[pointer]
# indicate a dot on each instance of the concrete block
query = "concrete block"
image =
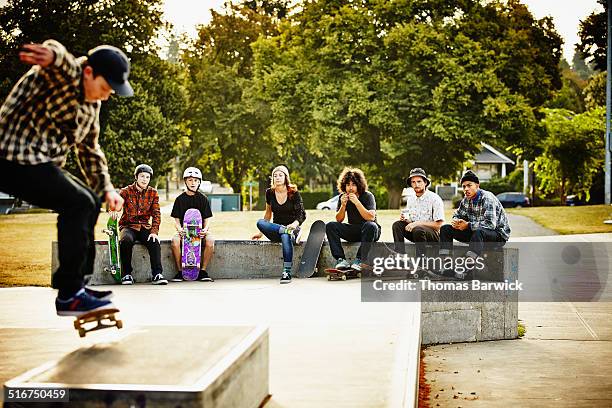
(450, 326)
(192, 366)
(493, 321)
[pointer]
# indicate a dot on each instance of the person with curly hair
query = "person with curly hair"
(360, 206)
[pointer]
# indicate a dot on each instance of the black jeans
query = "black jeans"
(419, 235)
(365, 233)
(128, 237)
(47, 186)
(476, 238)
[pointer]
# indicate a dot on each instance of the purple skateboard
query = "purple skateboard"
(192, 244)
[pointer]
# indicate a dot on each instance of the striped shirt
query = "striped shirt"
(46, 114)
(139, 207)
(484, 211)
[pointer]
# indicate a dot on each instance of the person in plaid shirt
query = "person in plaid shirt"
(140, 222)
(480, 218)
(54, 107)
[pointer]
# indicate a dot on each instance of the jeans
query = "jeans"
(271, 231)
(47, 186)
(476, 238)
(128, 237)
(365, 233)
(419, 235)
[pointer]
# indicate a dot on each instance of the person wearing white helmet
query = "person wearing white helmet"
(192, 198)
(140, 222)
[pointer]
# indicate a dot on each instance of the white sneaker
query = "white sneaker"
(342, 264)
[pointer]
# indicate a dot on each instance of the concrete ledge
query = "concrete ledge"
(457, 316)
(215, 366)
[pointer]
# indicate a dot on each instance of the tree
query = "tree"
(593, 34)
(573, 151)
(580, 66)
(390, 86)
(227, 120)
(595, 91)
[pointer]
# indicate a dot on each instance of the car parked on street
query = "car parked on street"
(513, 200)
(330, 204)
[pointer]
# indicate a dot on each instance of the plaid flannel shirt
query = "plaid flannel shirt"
(484, 211)
(139, 207)
(45, 115)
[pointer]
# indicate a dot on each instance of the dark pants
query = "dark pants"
(128, 237)
(419, 235)
(365, 233)
(476, 238)
(271, 231)
(47, 186)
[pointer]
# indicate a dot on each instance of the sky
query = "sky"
(186, 14)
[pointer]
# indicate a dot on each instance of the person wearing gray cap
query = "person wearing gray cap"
(54, 107)
(423, 216)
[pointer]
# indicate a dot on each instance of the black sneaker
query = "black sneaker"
(159, 280)
(178, 277)
(99, 294)
(286, 278)
(127, 280)
(203, 277)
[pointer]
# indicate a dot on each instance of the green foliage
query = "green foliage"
(573, 152)
(570, 96)
(390, 86)
(498, 185)
(595, 91)
(311, 199)
(593, 34)
(457, 199)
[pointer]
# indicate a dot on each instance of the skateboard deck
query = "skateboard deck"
(192, 244)
(114, 258)
(341, 274)
(312, 250)
(98, 316)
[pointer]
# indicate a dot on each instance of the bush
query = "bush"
(382, 197)
(311, 199)
(499, 185)
(456, 200)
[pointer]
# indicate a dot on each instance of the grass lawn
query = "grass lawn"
(25, 257)
(586, 219)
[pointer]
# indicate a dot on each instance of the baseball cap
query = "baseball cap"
(114, 66)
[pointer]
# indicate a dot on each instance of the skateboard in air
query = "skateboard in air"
(114, 258)
(192, 244)
(105, 318)
(312, 250)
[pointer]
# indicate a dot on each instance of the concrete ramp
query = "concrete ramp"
(187, 366)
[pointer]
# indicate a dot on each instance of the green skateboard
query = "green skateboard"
(113, 250)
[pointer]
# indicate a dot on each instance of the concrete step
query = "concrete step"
(190, 366)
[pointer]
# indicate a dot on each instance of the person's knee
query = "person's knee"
(210, 242)
(260, 223)
(419, 233)
(398, 226)
(369, 227)
(479, 235)
(175, 242)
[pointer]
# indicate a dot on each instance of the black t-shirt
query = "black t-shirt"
(184, 202)
(289, 211)
(366, 199)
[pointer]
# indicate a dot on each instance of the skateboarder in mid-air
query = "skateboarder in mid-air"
(192, 198)
(140, 222)
(284, 202)
(55, 106)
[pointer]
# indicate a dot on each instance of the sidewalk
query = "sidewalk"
(564, 359)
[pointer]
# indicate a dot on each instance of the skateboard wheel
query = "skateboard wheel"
(328, 277)
(76, 324)
(359, 275)
(119, 324)
(343, 277)
(82, 332)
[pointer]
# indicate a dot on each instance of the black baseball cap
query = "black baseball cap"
(114, 66)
